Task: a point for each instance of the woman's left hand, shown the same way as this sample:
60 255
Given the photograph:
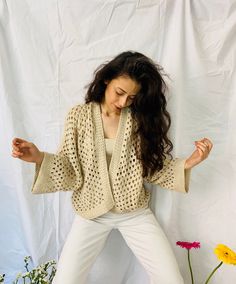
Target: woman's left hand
203 148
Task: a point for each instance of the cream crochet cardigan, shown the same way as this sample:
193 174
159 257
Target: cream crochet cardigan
80 165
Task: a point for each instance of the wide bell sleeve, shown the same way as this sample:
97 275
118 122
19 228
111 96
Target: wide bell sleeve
172 176
61 171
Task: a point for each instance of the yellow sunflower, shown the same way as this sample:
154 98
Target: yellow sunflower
225 254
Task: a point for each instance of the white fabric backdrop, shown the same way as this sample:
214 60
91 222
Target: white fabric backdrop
48 52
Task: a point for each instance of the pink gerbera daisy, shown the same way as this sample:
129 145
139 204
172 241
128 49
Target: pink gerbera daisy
188 245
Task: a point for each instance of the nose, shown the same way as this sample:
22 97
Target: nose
122 102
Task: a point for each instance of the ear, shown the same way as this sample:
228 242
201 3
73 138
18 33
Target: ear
106 82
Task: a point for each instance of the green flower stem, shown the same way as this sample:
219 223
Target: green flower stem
214 270
190 267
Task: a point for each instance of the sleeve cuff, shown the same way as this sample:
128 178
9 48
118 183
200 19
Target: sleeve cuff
182 176
41 183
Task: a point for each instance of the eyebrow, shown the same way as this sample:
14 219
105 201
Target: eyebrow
121 89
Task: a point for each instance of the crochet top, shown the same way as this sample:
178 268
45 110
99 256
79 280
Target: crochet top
109 145
80 165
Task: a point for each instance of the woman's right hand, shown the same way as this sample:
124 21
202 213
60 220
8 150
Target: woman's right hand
26 151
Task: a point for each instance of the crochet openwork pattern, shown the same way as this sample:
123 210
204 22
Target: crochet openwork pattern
80 165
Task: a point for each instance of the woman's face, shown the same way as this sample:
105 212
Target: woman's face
120 92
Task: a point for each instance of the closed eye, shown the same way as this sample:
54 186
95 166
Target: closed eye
119 94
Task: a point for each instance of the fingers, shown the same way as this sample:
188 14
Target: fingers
16 150
207 142
17 140
204 147
200 151
201 145
18 145
16 153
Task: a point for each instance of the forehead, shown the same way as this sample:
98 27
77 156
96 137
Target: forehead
127 84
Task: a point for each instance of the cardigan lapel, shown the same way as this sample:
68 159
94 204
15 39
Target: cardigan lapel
100 141
116 154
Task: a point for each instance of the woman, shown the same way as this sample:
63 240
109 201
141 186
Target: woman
112 144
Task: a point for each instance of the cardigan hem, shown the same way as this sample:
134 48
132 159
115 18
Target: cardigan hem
95 212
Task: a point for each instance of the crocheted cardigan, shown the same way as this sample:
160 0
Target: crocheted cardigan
80 165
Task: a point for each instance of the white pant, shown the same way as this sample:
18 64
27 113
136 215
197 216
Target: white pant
142 234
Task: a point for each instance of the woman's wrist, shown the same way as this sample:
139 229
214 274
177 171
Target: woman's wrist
40 158
187 165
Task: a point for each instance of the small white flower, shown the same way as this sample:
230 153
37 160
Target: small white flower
27 258
18 275
37 275
26 274
2 278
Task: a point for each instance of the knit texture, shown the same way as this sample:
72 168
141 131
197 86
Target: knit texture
80 165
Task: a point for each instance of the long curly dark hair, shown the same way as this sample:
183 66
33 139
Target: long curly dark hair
148 107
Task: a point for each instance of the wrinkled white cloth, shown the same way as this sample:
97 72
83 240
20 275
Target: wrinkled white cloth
48 52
